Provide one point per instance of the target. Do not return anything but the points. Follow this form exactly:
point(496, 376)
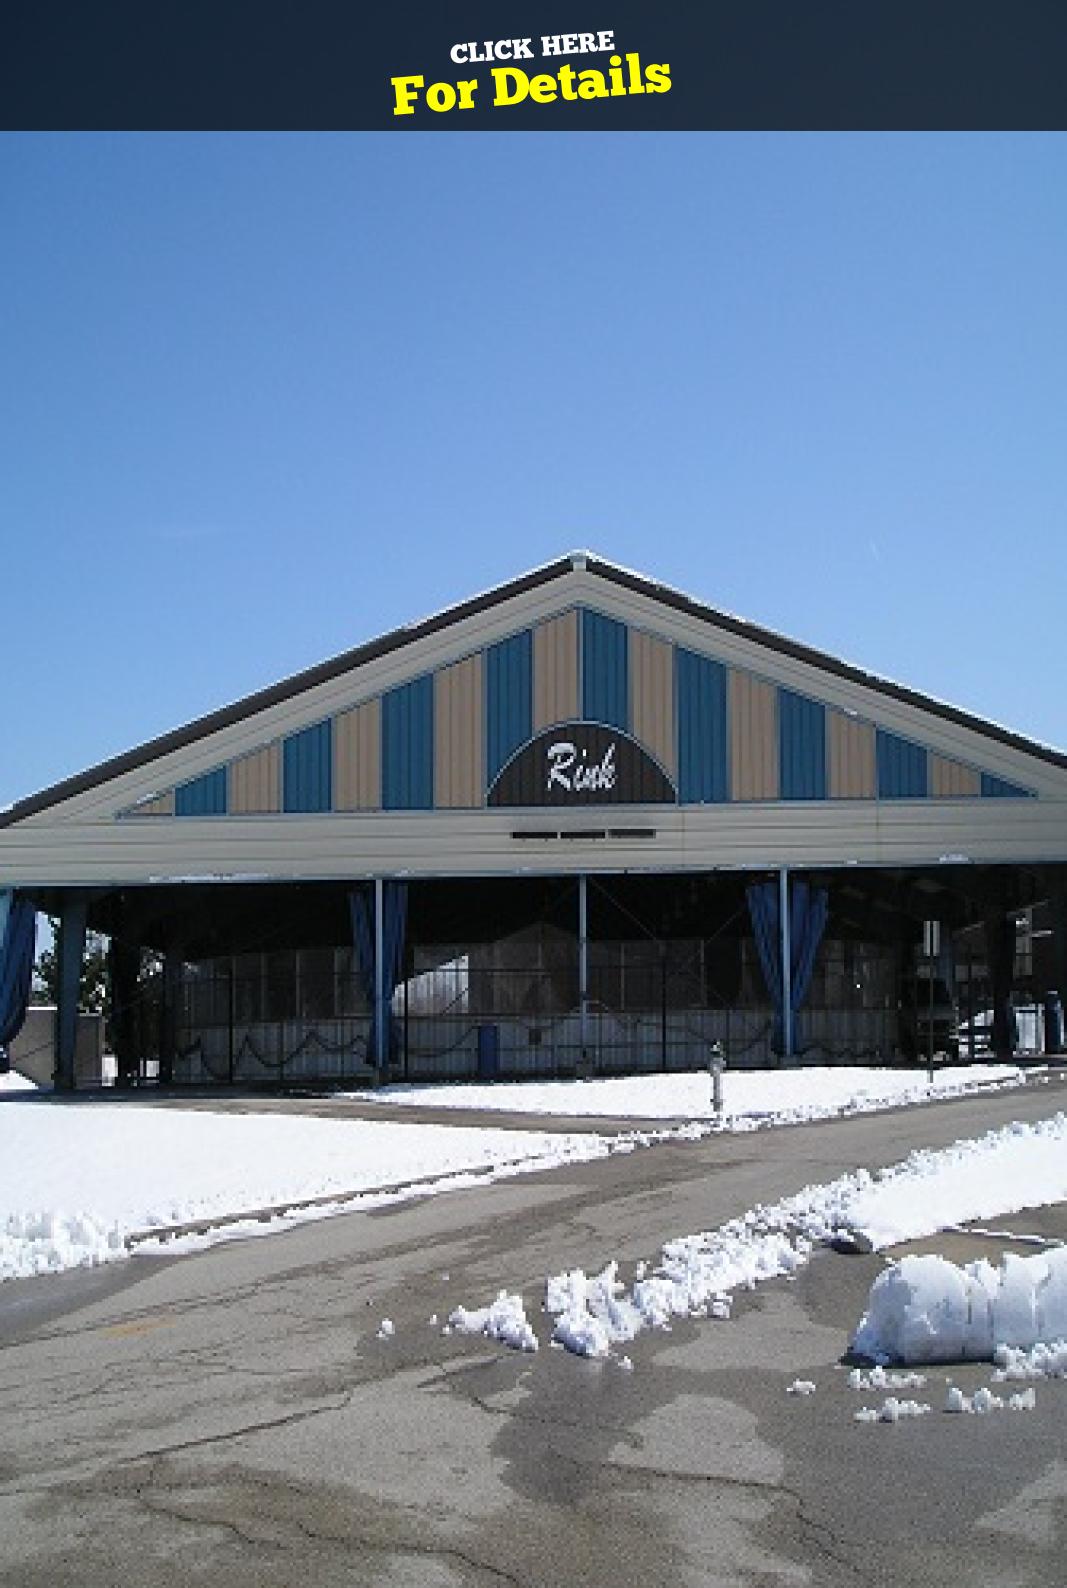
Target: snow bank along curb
point(95, 1185)
point(754, 1099)
point(1008, 1169)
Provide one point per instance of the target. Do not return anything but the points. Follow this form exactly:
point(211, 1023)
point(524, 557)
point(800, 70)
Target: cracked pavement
point(231, 1416)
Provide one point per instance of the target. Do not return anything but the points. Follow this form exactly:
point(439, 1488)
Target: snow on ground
point(1015, 1167)
point(75, 1181)
point(751, 1098)
point(12, 1081)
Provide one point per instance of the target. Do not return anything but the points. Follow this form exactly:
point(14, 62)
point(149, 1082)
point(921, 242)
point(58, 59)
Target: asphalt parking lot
point(232, 1416)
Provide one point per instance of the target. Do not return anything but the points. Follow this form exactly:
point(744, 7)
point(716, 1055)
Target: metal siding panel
point(255, 782)
point(652, 697)
point(458, 778)
point(202, 796)
point(952, 780)
point(407, 746)
point(801, 747)
point(997, 788)
point(702, 729)
point(162, 805)
point(307, 769)
point(508, 699)
point(903, 770)
point(357, 758)
point(605, 670)
point(555, 669)
point(753, 738)
point(852, 760)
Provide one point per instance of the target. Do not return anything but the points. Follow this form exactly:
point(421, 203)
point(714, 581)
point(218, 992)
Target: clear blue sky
point(262, 398)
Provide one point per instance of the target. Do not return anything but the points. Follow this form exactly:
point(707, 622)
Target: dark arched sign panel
point(582, 763)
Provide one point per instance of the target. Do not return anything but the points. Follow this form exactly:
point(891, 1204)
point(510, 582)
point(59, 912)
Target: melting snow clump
point(504, 1320)
point(879, 1379)
point(891, 1411)
point(1041, 1361)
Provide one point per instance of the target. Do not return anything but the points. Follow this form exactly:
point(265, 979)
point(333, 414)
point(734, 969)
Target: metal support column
point(70, 952)
point(168, 1024)
point(786, 949)
point(379, 976)
point(583, 962)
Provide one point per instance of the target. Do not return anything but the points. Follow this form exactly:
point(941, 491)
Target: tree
point(93, 986)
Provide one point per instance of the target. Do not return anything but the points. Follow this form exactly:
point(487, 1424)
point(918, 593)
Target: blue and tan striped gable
point(714, 712)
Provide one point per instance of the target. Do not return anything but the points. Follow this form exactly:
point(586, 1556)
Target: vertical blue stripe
point(307, 769)
point(995, 788)
point(605, 671)
point(203, 796)
point(903, 768)
point(508, 699)
point(407, 746)
point(702, 761)
point(801, 747)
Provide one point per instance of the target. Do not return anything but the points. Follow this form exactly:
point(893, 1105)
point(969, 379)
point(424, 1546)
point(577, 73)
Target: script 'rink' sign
point(582, 763)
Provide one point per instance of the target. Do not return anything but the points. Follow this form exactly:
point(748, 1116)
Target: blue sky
point(262, 398)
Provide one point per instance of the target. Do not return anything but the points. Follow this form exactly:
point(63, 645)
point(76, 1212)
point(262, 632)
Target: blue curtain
point(18, 920)
point(394, 929)
point(809, 909)
point(763, 913)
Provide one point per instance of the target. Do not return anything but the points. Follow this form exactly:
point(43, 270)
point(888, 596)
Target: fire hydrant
point(716, 1065)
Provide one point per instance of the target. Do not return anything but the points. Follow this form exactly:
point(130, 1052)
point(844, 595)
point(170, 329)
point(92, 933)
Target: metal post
point(379, 976)
point(930, 1033)
point(230, 1014)
point(71, 953)
point(970, 1006)
point(583, 962)
point(407, 979)
point(663, 1002)
point(787, 965)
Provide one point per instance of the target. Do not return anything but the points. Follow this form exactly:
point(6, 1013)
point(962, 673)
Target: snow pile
point(12, 1081)
point(1018, 1166)
point(45, 1242)
point(76, 1181)
point(1043, 1360)
point(504, 1320)
point(751, 1098)
point(591, 1313)
point(891, 1410)
point(926, 1309)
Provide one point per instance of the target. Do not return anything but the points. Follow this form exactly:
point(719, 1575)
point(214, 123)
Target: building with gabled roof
point(581, 820)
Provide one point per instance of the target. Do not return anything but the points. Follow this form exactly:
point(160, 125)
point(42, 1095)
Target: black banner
point(674, 65)
point(582, 763)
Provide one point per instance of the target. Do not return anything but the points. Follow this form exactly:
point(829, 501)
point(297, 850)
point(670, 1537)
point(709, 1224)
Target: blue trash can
point(1053, 1023)
point(488, 1053)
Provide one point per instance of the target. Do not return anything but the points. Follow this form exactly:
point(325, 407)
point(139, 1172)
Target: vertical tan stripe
point(951, 780)
point(458, 776)
point(162, 805)
point(652, 696)
point(852, 775)
point(753, 738)
point(357, 758)
point(555, 669)
point(255, 782)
